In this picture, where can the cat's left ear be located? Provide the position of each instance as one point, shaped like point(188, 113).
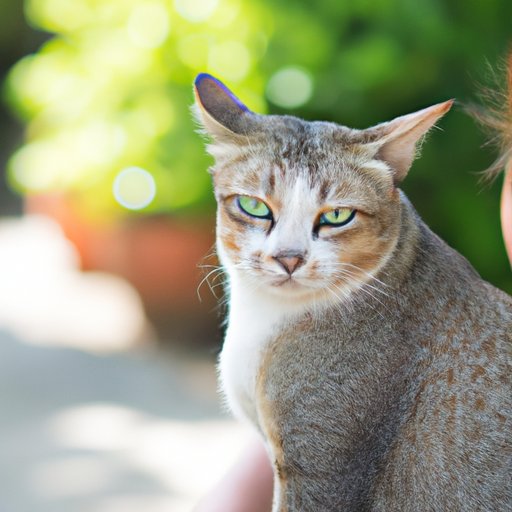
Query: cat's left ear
point(223, 116)
point(397, 141)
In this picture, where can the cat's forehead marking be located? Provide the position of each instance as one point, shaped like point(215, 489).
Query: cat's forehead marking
point(269, 181)
point(323, 191)
point(315, 149)
point(296, 208)
point(328, 158)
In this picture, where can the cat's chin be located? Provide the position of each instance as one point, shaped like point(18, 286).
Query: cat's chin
point(297, 293)
point(292, 288)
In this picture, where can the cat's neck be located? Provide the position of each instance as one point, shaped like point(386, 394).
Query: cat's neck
point(421, 259)
point(401, 260)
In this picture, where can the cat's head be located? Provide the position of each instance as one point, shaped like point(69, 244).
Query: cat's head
point(306, 210)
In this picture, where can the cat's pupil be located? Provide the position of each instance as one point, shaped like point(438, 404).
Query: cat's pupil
point(336, 214)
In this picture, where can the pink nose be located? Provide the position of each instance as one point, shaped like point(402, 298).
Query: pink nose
point(290, 262)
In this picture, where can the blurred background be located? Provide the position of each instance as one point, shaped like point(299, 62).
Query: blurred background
point(107, 338)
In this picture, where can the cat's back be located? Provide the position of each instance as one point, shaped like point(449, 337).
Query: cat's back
point(453, 450)
point(400, 402)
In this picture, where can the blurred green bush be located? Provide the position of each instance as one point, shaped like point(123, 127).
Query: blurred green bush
point(112, 89)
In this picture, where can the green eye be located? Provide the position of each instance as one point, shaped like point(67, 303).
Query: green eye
point(337, 217)
point(254, 207)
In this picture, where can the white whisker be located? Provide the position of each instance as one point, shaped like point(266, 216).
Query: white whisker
point(359, 269)
point(216, 272)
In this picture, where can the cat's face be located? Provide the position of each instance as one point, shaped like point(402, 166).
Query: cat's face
point(306, 210)
point(301, 215)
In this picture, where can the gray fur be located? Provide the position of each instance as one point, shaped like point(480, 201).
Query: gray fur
point(401, 403)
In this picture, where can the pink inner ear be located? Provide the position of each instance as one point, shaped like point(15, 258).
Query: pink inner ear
point(399, 148)
point(418, 123)
point(209, 89)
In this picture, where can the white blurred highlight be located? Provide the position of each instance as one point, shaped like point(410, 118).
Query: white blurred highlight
point(195, 11)
point(45, 298)
point(168, 450)
point(134, 188)
point(290, 87)
point(148, 25)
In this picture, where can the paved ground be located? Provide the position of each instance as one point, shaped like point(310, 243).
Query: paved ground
point(125, 430)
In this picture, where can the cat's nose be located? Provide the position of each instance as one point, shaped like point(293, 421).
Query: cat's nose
point(289, 261)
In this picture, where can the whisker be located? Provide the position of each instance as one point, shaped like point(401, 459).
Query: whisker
point(370, 295)
point(350, 273)
point(216, 272)
point(212, 253)
point(363, 289)
point(365, 285)
point(359, 269)
point(341, 299)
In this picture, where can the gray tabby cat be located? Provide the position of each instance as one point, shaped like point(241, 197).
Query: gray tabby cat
point(371, 357)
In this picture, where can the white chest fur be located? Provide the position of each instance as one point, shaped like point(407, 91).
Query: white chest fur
point(254, 320)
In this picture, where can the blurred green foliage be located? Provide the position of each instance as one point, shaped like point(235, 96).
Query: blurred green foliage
point(112, 89)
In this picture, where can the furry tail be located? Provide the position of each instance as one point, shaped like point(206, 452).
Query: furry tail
point(499, 119)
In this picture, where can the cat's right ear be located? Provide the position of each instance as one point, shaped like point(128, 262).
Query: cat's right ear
point(223, 116)
point(397, 141)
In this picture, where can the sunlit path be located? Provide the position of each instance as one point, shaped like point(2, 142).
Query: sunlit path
point(123, 428)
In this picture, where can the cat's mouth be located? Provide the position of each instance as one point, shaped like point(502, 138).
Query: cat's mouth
point(286, 281)
point(285, 284)
point(289, 283)
point(293, 289)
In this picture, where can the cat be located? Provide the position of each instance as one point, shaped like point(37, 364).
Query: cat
point(371, 357)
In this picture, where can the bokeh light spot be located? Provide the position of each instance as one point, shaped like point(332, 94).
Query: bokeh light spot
point(227, 15)
point(98, 142)
point(59, 15)
point(148, 25)
point(37, 166)
point(134, 188)
point(193, 50)
point(195, 10)
point(290, 87)
point(230, 60)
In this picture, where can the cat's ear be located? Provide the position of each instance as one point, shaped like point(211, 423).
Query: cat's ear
point(222, 115)
point(397, 141)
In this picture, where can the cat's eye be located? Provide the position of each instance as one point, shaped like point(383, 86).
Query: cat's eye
point(254, 207)
point(337, 217)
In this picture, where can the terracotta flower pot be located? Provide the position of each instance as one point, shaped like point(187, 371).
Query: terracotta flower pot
point(160, 256)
